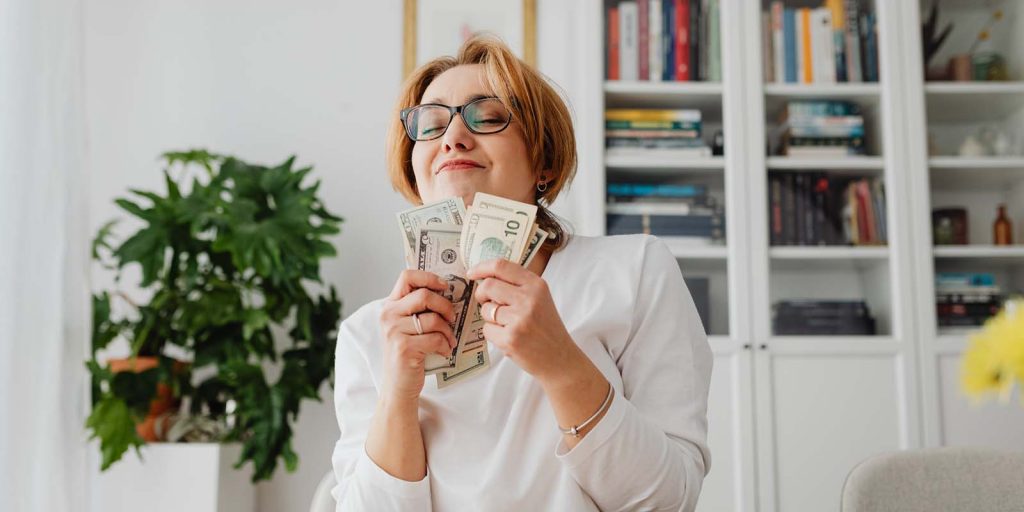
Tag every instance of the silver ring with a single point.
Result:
(494, 314)
(416, 321)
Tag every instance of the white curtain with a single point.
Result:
(44, 257)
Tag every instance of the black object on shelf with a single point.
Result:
(822, 317)
(699, 289)
(949, 226)
(718, 143)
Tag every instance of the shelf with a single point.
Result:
(658, 162)
(828, 253)
(953, 102)
(705, 96)
(981, 162)
(823, 258)
(1014, 253)
(851, 163)
(684, 249)
(981, 173)
(867, 95)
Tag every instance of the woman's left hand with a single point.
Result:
(521, 319)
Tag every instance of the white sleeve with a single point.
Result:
(361, 484)
(649, 451)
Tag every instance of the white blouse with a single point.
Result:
(492, 441)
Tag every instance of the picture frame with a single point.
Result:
(432, 28)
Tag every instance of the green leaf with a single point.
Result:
(101, 239)
(255, 319)
(112, 423)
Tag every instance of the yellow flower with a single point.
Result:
(995, 358)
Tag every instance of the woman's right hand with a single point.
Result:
(416, 292)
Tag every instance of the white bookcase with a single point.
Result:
(938, 116)
(790, 416)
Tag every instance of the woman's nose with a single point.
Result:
(457, 136)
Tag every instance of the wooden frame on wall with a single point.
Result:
(413, 11)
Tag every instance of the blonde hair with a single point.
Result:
(535, 104)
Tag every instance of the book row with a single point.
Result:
(663, 40)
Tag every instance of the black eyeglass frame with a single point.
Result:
(404, 115)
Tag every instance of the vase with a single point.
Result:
(154, 426)
(175, 477)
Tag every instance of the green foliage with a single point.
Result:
(225, 261)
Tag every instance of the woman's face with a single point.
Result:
(495, 163)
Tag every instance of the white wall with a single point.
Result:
(263, 79)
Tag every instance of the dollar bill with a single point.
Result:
(536, 242)
(438, 252)
(496, 227)
(446, 211)
(471, 366)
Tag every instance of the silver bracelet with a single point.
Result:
(575, 430)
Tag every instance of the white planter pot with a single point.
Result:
(176, 477)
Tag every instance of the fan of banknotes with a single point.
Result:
(447, 239)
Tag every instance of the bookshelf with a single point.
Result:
(940, 114)
(790, 409)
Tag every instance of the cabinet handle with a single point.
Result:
(746, 346)
(764, 346)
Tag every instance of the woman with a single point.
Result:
(596, 396)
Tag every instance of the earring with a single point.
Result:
(542, 186)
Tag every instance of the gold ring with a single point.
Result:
(416, 321)
(494, 314)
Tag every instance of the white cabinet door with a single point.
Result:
(730, 484)
(818, 416)
(965, 422)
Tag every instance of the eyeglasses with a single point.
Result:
(430, 121)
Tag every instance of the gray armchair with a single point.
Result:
(322, 499)
(937, 480)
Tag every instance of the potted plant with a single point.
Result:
(226, 254)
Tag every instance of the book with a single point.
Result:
(696, 147)
(656, 190)
(767, 67)
(659, 115)
(695, 39)
(643, 39)
(681, 9)
(657, 208)
(778, 41)
(818, 108)
(852, 35)
(621, 124)
(668, 39)
(789, 43)
(666, 153)
(964, 279)
(805, 60)
(869, 36)
(628, 44)
(714, 42)
(835, 7)
(775, 209)
(664, 225)
(822, 42)
(613, 44)
(646, 133)
(654, 39)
